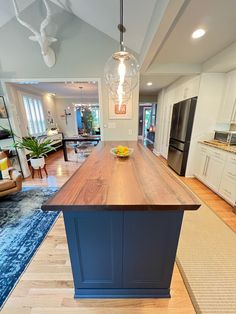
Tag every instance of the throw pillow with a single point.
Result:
(4, 169)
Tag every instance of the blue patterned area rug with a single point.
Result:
(23, 227)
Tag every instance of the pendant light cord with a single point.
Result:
(121, 23)
(121, 27)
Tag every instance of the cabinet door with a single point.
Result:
(228, 183)
(227, 189)
(167, 125)
(227, 112)
(95, 246)
(191, 88)
(201, 162)
(149, 259)
(214, 171)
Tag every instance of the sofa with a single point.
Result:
(12, 185)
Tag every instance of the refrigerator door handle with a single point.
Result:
(176, 148)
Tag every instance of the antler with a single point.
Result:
(21, 21)
(47, 20)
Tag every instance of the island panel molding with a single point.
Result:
(140, 182)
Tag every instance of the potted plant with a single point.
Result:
(38, 148)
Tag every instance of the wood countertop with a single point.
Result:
(139, 182)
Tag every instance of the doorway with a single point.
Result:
(147, 123)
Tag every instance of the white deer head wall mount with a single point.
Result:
(41, 36)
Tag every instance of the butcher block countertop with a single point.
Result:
(139, 182)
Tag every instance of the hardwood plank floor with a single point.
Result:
(47, 285)
(211, 199)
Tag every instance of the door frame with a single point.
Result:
(57, 80)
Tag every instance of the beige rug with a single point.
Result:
(207, 260)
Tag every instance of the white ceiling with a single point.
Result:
(65, 90)
(158, 82)
(178, 54)
(217, 17)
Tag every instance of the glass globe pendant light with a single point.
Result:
(121, 70)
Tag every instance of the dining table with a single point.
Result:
(78, 139)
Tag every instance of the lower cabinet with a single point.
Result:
(217, 169)
(228, 183)
(122, 253)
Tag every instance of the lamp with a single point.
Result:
(121, 70)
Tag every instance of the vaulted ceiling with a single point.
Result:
(159, 31)
(104, 15)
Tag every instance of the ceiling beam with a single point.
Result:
(165, 16)
(174, 69)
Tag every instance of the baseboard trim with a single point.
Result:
(121, 293)
(155, 152)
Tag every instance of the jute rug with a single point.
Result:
(207, 260)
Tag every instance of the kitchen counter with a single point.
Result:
(219, 145)
(123, 219)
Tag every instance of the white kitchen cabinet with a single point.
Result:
(187, 89)
(227, 112)
(228, 183)
(217, 169)
(169, 100)
(201, 162)
(210, 165)
(214, 170)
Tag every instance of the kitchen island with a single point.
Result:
(123, 218)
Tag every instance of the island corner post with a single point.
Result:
(123, 219)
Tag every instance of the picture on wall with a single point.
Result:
(118, 112)
(3, 112)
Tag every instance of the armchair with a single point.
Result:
(12, 185)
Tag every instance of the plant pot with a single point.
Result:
(37, 163)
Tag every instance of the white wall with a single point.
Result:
(69, 128)
(81, 51)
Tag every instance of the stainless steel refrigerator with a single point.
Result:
(180, 134)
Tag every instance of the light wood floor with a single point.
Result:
(47, 286)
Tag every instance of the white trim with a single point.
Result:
(155, 152)
(94, 99)
(4, 81)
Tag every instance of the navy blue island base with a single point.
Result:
(122, 254)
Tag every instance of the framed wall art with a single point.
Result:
(123, 112)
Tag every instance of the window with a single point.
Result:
(34, 113)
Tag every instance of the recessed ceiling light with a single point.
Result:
(198, 33)
(149, 84)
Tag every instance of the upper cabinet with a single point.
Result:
(187, 89)
(227, 113)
